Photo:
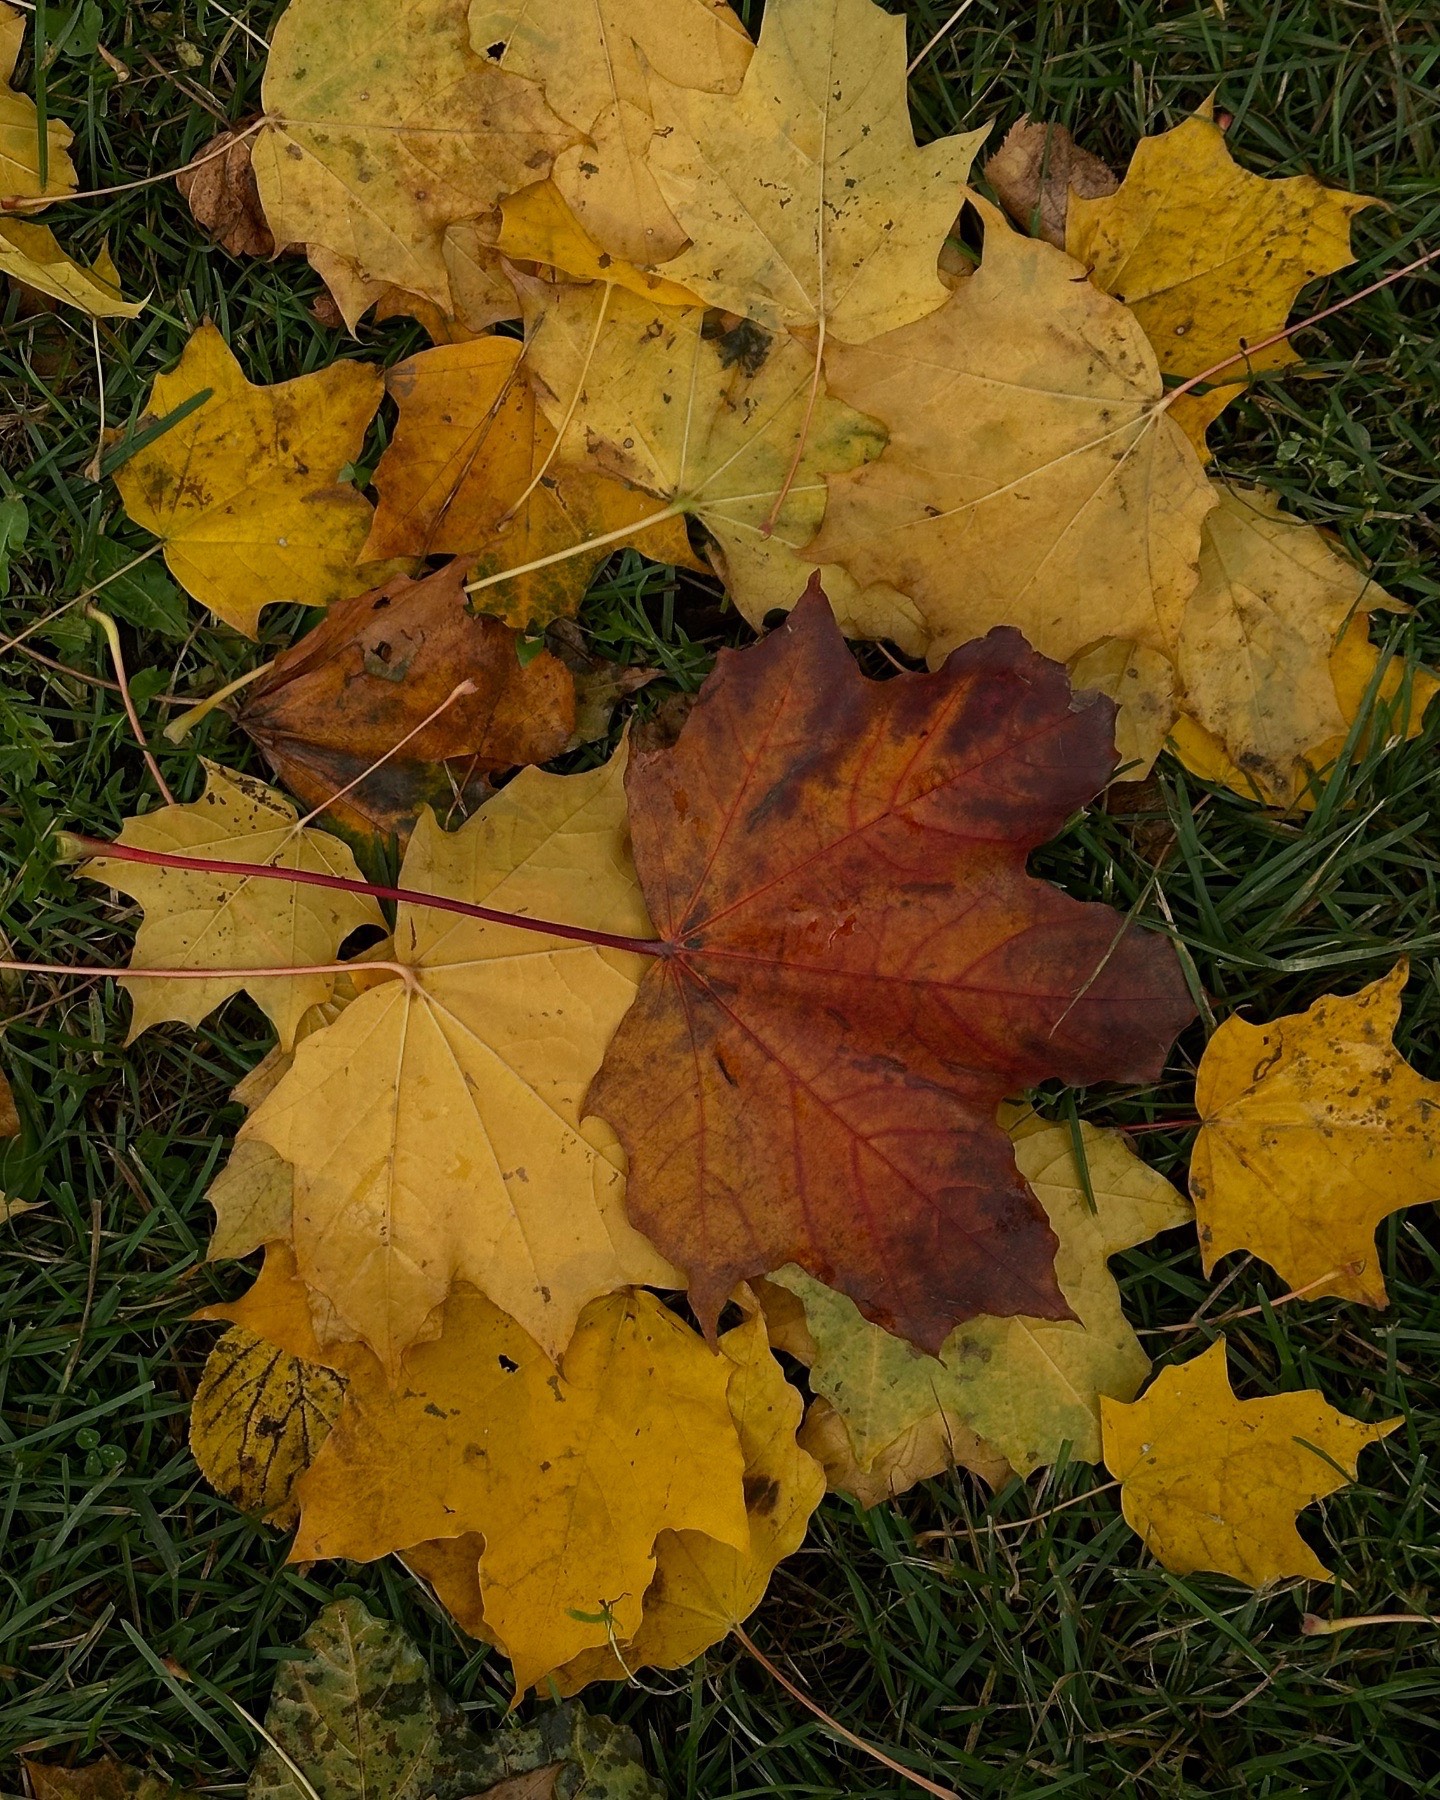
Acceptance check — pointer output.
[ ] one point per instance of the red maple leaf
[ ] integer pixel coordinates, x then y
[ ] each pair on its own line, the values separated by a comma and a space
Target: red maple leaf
860, 969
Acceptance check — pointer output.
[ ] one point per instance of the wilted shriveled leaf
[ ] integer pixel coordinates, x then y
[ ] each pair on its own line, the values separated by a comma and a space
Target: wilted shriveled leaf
537, 226
1026, 1386
1313, 1129
861, 970
1034, 173
704, 418
1031, 478
19, 127
376, 666
805, 198
104, 1780
1209, 257
594, 62
1212, 1482
938, 1443
386, 129
245, 490
30, 253
233, 922
9, 1112
538, 1462
437, 1130
258, 1417
223, 196
1256, 653
471, 471
701, 1587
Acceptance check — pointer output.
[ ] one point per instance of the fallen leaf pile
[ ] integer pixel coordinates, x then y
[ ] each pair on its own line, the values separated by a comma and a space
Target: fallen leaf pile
744, 1028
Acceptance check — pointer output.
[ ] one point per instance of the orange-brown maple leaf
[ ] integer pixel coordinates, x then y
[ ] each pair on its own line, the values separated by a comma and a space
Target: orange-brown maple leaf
860, 969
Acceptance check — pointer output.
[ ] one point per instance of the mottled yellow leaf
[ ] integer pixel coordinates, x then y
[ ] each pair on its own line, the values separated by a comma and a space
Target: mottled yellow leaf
385, 129
701, 1586
30, 253
470, 471
1214, 1483
233, 922
245, 490
258, 1418
539, 227
804, 195
706, 419
568, 1476
1141, 682
1209, 257
19, 134
932, 1446
437, 1128
1313, 1129
594, 60
1027, 1387
1030, 478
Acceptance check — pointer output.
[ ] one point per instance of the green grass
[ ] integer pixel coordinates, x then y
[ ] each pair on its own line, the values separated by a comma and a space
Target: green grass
1032, 1649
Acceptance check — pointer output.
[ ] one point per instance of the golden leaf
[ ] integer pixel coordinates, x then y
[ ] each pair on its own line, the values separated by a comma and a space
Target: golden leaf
593, 61
1031, 478
30, 253
804, 195
258, 1418
19, 128
233, 922
1027, 1387
245, 490
1313, 1129
1214, 1483
436, 1129
1209, 257
385, 129
537, 226
569, 1477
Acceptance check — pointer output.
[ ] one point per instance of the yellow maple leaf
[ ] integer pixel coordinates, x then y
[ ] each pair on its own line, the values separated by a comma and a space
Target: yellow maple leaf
567, 1476
469, 472
257, 1420
593, 62
804, 195
19, 128
384, 129
702, 1586
30, 253
436, 1129
1031, 477
233, 922
538, 226
1211, 1482
245, 490
1027, 1387
1259, 660
932, 1446
1313, 1129
1209, 257
704, 418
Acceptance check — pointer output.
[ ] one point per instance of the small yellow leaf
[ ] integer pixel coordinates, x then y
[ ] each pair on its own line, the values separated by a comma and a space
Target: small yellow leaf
1313, 1130
384, 129
233, 922
702, 1587
245, 491
257, 1421
30, 253
19, 133
1214, 1483
437, 1129
805, 198
568, 1477
1141, 682
1209, 257
594, 62
1031, 478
